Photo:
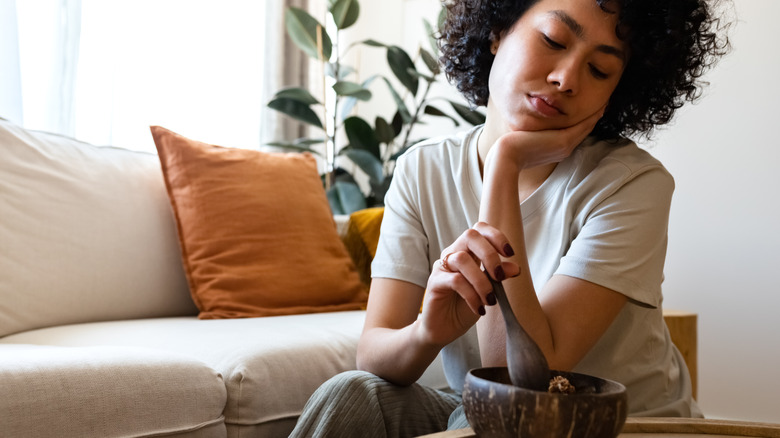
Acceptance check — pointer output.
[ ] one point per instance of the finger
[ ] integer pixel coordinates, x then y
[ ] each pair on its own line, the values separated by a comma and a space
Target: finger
490, 250
457, 282
511, 269
469, 269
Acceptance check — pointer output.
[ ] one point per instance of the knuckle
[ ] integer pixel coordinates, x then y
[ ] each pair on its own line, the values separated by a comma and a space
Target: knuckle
484, 287
459, 281
480, 224
472, 233
460, 257
492, 259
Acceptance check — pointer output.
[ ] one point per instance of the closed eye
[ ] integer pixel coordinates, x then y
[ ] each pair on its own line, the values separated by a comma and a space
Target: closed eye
598, 74
553, 44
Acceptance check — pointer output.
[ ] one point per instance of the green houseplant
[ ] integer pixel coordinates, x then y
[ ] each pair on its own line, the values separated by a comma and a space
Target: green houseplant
373, 148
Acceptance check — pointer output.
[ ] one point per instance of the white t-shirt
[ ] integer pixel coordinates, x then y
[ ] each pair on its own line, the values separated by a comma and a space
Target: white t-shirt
600, 216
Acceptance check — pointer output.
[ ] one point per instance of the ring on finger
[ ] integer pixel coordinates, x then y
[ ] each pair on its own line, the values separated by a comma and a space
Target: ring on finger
444, 265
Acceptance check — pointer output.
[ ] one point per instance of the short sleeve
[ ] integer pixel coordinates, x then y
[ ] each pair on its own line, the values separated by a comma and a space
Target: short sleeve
402, 251
621, 242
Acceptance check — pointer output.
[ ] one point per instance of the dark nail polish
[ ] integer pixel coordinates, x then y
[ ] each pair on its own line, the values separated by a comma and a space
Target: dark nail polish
500, 275
508, 250
481, 310
491, 299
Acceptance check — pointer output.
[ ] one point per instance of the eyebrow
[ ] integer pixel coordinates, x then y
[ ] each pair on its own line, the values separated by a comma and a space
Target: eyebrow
579, 31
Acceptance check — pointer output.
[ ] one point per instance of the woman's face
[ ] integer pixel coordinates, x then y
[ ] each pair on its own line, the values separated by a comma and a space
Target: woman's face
557, 65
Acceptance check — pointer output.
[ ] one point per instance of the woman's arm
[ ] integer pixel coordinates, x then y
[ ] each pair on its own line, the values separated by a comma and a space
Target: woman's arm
392, 345
572, 313
398, 341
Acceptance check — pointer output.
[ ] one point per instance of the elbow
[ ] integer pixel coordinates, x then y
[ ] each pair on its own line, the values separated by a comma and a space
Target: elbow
563, 362
361, 361
364, 362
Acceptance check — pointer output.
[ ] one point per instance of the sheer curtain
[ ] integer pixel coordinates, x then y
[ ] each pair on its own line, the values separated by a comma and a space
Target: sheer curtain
104, 70
38, 57
10, 76
286, 66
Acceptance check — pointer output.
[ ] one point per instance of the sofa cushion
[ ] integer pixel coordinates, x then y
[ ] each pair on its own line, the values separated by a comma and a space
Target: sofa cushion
107, 392
257, 235
270, 365
87, 234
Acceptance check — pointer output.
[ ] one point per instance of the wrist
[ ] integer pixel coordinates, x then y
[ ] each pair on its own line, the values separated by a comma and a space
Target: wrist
502, 162
504, 156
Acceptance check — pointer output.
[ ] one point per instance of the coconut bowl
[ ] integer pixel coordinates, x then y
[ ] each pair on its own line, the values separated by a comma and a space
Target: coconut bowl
496, 408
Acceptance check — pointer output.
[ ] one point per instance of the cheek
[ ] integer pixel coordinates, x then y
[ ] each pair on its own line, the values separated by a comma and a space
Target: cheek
598, 97
508, 74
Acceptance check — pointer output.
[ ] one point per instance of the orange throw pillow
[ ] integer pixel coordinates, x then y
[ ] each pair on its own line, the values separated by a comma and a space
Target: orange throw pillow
256, 231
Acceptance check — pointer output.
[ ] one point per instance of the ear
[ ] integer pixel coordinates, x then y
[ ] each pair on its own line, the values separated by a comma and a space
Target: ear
494, 42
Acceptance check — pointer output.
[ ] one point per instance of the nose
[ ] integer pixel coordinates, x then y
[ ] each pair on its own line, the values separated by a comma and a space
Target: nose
565, 76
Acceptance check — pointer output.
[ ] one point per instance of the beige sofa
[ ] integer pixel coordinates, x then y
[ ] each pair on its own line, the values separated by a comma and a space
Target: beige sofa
98, 334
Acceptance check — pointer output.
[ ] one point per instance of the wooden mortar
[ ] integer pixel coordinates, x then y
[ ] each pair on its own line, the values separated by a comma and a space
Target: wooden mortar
496, 408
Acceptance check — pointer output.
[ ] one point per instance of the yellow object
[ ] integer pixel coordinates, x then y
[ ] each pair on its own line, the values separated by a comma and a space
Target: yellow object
362, 238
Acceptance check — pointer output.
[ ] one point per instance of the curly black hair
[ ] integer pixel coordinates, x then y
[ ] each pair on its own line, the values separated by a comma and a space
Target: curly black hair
672, 43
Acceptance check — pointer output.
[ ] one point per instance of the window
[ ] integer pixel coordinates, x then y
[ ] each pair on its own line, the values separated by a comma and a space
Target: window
104, 70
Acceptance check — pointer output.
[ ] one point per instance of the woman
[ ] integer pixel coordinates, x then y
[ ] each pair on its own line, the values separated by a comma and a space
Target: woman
547, 196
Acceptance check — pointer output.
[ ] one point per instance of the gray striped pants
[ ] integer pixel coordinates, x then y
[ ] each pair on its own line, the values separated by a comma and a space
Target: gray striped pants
357, 404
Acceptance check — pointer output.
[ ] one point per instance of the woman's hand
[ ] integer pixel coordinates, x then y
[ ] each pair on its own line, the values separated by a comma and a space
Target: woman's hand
535, 148
458, 290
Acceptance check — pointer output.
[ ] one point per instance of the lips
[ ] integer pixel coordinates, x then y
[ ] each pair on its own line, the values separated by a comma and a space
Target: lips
545, 105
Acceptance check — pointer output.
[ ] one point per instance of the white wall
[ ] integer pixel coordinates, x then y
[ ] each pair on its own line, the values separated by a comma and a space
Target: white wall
723, 260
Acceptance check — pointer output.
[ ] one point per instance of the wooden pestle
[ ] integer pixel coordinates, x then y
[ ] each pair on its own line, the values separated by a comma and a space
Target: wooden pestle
526, 363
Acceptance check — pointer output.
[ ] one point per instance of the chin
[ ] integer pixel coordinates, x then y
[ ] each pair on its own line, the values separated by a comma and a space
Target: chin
531, 124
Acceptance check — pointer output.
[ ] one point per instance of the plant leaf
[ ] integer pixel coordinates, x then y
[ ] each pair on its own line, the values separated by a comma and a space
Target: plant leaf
430, 61
308, 141
373, 43
345, 13
431, 36
296, 110
402, 150
377, 198
397, 123
303, 28
349, 102
367, 162
293, 147
400, 63
345, 198
299, 94
362, 136
467, 114
406, 116
432, 110
345, 88
419, 75
384, 132
344, 70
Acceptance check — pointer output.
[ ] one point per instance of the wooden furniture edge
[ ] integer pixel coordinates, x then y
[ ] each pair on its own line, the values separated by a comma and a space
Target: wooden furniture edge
683, 330
700, 426
669, 425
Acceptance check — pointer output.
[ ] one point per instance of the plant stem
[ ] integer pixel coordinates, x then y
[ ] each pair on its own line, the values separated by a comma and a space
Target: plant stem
328, 138
336, 73
416, 114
